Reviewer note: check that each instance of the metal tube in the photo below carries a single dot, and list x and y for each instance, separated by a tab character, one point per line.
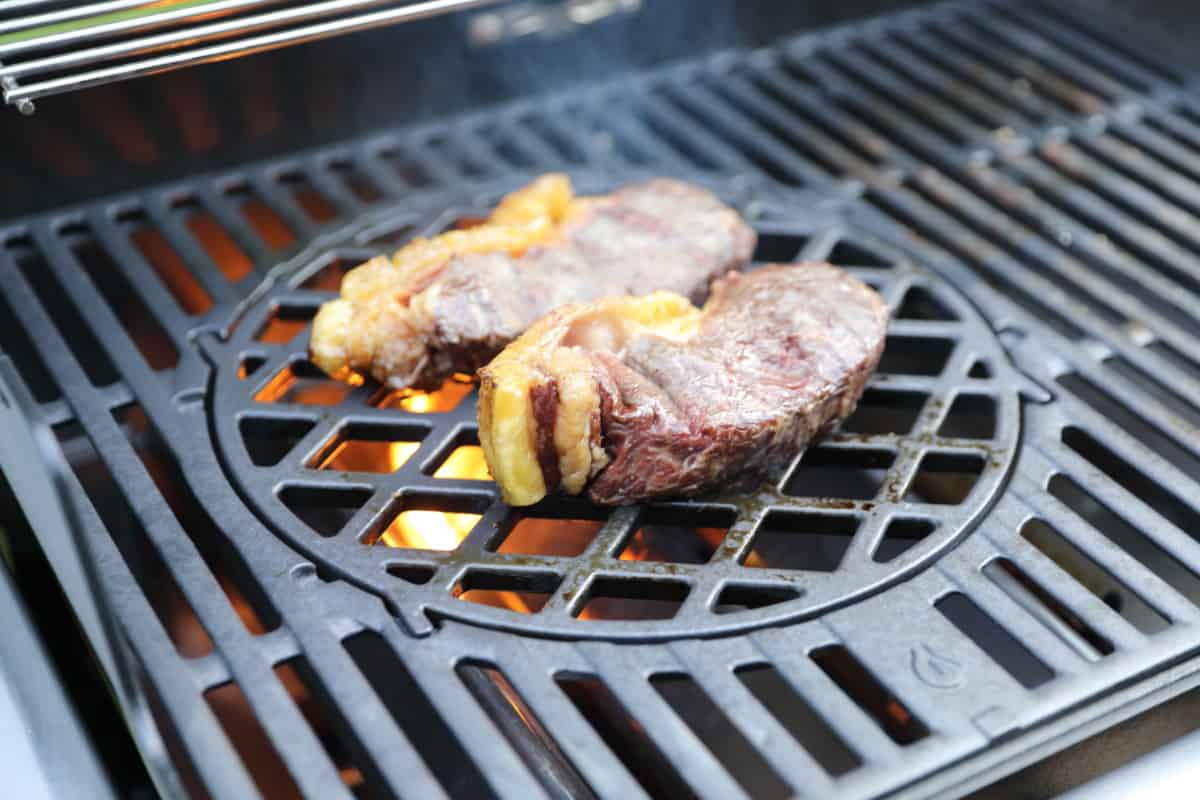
68	14
138	23
183	36
242	47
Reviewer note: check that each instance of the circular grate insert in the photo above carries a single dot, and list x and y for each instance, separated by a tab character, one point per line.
389	489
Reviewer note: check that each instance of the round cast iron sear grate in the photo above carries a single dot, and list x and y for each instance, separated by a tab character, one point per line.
390	491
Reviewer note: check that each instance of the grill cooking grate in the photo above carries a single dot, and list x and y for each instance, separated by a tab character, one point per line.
990	143
366	472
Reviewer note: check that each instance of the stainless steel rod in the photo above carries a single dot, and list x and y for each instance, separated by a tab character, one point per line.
16	5
174	38
156	20
240	47
70	13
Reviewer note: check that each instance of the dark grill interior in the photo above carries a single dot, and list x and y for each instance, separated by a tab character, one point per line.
1001	536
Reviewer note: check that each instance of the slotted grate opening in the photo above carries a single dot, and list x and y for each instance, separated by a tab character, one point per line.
549	536
622	734
810	542
1114	593
179	279
721	736
856	474
368	448
303	383
524	593
409	706
991	637
284	324
172	608
254	747
896	720
771	689
619	598
218	243
427	522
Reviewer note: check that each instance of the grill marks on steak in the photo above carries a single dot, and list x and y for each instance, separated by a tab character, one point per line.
686	399
660	234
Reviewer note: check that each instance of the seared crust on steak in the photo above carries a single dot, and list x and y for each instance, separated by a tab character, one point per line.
449	304
667	399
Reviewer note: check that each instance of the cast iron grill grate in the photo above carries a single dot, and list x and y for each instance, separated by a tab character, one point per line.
1040	168
395	482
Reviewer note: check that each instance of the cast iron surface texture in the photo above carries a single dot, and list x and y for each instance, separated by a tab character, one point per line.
1015	161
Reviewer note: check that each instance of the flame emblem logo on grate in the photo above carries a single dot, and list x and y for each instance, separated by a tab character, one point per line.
390	489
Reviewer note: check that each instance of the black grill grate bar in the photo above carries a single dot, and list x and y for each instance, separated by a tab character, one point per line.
530	147
1150	587
214	199
951	86
980	72
828	112
1154	415
1062	95
1121	273
208	747
927	107
626	676
934	210
789	656
533	678
1054	55
1007	270
1154	249
1152	134
700	147
374	165
1150	463
389	748
265	184
630	135
577	140
1182	119
89	303
883	112
280	717
201	589
831	155
202	267
1056	581
700	102
1137	203
1116	304
1132	161
1054	653
1097	41
319	170
474	730
142	278
784	754
1153	589
481	153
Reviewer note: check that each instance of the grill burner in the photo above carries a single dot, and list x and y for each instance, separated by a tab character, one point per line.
1044	172
340	473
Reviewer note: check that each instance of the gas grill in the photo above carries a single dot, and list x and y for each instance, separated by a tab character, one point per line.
254	580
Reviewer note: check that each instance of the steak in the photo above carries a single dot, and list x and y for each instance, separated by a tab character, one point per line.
450	304
632	398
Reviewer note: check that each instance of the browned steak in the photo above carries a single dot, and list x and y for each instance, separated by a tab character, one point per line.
654	397
457	315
